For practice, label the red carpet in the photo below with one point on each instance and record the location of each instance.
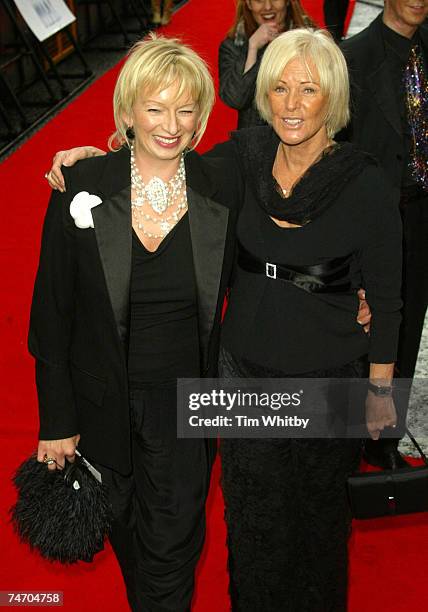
(387, 556)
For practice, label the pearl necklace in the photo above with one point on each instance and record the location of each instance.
(165, 224)
(158, 196)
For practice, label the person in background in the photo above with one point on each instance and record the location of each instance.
(257, 23)
(135, 260)
(161, 11)
(389, 79)
(335, 12)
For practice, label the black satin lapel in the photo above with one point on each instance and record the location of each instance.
(113, 230)
(208, 228)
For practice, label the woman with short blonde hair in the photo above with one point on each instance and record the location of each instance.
(318, 218)
(155, 64)
(135, 260)
(316, 46)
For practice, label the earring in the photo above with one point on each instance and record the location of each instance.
(130, 134)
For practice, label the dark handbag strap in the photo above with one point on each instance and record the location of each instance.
(416, 445)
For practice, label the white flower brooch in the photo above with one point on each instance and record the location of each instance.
(80, 209)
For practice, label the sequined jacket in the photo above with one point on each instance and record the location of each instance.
(376, 125)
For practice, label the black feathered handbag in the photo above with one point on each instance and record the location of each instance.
(390, 492)
(64, 514)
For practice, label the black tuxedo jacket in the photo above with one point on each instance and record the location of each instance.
(376, 123)
(80, 312)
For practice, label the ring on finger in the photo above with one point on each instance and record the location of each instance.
(48, 460)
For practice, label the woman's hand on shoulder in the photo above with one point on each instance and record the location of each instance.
(69, 157)
(57, 451)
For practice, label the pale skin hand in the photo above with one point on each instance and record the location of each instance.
(58, 450)
(261, 37)
(380, 411)
(68, 158)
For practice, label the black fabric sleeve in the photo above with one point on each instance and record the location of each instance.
(226, 150)
(233, 171)
(236, 89)
(381, 261)
(51, 320)
(232, 168)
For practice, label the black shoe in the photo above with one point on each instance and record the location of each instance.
(386, 459)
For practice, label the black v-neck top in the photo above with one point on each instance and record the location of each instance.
(164, 343)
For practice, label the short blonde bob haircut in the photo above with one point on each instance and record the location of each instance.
(319, 48)
(152, 65)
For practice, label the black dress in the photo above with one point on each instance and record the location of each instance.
(286, 506)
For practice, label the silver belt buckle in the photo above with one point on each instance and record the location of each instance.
(271, 270)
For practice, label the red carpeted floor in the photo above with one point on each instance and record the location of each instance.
(387, 556)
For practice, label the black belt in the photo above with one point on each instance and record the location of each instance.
(331, 276)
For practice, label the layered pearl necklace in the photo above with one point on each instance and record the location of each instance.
(157, 197)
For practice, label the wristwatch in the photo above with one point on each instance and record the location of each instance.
(379, 390)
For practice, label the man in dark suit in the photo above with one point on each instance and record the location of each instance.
(379, 57)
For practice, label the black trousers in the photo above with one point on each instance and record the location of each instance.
(160, 509)
(335, 12)
(414, 215)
